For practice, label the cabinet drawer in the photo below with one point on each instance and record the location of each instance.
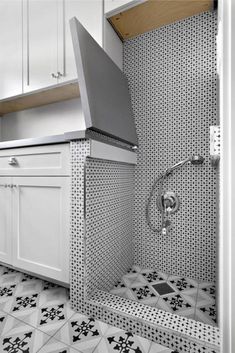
(36, 161)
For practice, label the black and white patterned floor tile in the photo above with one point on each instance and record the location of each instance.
(36, 317)
(157, 348)
(55, 346)
(82, 333)
(18, 337)
(181, 284)
(49, 315)
(153, 276)
(116, 340)
(175, 303)
(207, 314)
(189, 294)
(143, 292)
(210, 290)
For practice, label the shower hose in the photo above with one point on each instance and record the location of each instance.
(161, 178)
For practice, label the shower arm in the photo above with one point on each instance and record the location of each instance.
(176, 166)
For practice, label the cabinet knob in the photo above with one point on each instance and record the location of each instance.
(12, 161)
(58, 75)
(54, 76)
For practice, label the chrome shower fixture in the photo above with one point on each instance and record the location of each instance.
(168, 201)
(195, 159)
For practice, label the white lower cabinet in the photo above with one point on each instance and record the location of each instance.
(40, 230)
(34, 210)
(34, 225)
(5, 220)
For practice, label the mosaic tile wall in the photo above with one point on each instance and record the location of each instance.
(109, 222)
(172, 79)
(176, 332)
(78, 152)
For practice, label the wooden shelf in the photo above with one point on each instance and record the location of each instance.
(156, 13)
(53, 94)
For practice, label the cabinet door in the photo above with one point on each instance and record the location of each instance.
(40, 43)
(10, 48)
(41, 226)
(90, 14)
(5, 221)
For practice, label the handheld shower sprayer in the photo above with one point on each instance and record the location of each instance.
(168, 198)
(195, 159)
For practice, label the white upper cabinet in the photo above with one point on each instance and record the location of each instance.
(40, 43)
(36, 49)
(90, 14)
(48, 51)
(10, 48)
(113, 6)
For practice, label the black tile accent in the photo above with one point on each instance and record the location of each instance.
(163, 288)
(124, 343)
(19, 343)
(152, 276)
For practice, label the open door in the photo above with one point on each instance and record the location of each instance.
(103, 87)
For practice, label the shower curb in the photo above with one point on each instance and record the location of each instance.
(173, 331)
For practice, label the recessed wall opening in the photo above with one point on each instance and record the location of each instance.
(172, 75)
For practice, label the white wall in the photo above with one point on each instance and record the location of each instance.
(48, 120)
(233, 174)
(227, 189)
(112, 44)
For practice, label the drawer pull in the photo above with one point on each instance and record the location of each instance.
(12, 161)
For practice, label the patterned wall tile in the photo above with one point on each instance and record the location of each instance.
(172, 79)
(113, 318)
(78, 152)
(109, 226)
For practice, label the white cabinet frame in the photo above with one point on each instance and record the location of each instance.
(5, 220)
(40, 244)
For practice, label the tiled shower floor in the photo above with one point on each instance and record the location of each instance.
(35, 316)
(182, 296)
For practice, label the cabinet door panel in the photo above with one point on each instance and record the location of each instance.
(40, 221)
(40, 43)
(5, 221)
(90, 14)
(10, 48)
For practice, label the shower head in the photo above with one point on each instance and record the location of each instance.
(195, 159)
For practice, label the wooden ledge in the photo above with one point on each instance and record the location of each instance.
(154, 14)
(53, 94)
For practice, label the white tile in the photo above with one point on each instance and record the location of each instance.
(55, 346)
(157, 348)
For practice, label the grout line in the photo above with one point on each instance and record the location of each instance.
(44, 342)
(194, 316)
